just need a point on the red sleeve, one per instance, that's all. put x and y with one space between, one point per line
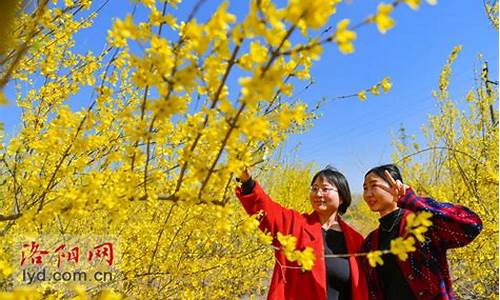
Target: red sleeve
276 218
453 225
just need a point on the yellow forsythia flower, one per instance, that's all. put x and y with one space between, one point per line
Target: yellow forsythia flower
420 219
419 233
258 53
414 4
418 224
470 96
287 242
401 247
5 269
382 19
362 95
265 239
344 37
374 258
306 258
386 84
374 90
250 225
423 219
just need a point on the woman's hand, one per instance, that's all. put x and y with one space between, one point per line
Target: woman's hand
245 175
398 189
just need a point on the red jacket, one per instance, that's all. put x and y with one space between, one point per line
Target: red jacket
293 283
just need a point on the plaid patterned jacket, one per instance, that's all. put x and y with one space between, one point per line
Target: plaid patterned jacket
426 269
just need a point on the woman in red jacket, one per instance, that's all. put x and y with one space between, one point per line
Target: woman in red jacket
323 230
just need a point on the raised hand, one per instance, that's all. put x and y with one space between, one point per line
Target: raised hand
245 175
398 189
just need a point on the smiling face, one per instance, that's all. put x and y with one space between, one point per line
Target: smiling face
376 193
324 197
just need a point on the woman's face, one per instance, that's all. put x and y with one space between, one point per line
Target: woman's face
377 194
324 196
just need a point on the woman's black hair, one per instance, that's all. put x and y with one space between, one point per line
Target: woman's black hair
333 176
392 169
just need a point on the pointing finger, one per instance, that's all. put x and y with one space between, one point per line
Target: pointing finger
245 175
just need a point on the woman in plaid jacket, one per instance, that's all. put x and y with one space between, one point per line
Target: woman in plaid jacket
425 274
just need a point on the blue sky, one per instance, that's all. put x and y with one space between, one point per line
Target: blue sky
353 135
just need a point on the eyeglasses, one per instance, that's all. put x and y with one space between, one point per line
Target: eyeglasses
323 190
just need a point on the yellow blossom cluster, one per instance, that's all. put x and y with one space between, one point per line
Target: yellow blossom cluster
384 85
382 19
344 37
304 258
416 226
